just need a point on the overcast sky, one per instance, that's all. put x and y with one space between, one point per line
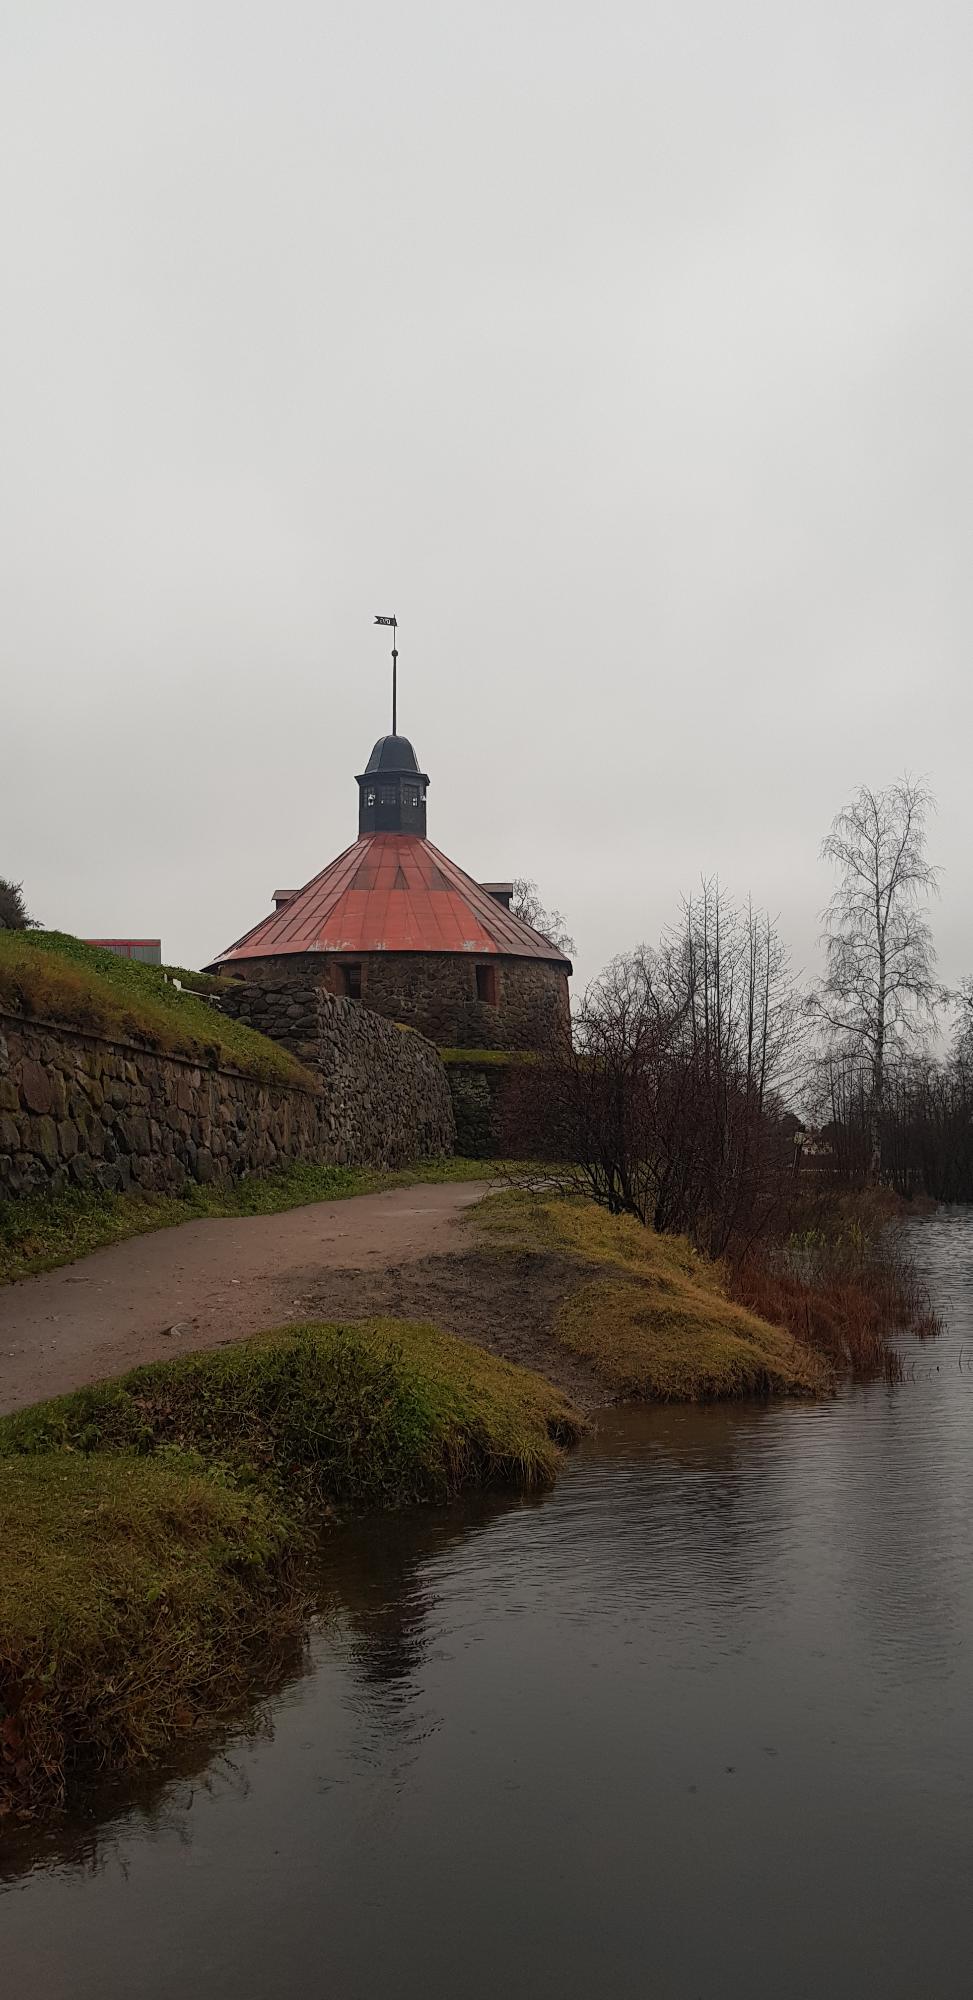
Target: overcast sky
621 349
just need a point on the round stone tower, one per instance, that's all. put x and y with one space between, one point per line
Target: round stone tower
397 925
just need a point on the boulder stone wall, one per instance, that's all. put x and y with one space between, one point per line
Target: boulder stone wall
77 1109
386 1085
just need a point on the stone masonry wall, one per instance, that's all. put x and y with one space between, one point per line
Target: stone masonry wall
436 994
79 1110
386 1084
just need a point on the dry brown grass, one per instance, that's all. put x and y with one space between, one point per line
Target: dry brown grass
649 1314
844 1287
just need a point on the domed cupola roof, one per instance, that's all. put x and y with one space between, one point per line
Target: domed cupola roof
392 789
391 753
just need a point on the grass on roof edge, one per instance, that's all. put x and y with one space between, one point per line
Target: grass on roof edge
511 1058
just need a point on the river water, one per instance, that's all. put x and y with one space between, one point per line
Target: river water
697 1724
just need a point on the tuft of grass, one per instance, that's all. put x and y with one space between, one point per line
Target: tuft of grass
380 1412
39 1232
649 1314
133 1601
51 976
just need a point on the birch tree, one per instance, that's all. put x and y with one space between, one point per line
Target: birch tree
880 994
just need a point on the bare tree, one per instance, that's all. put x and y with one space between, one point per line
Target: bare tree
668 1100
879 997
13 909
963 1039
526 904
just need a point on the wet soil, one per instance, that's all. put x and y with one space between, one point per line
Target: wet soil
504 1301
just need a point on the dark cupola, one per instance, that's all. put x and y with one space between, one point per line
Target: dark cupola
392 790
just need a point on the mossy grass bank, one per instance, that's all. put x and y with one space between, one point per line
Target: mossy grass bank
375 1412
152 1523
648 1313
48 975
39 1232
135 1600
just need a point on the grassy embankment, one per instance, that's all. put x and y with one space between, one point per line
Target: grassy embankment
49 976
153 1525
649 1315
46 975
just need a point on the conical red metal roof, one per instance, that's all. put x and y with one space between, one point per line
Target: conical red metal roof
392 892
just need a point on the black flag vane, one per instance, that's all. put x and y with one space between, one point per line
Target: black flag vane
393 621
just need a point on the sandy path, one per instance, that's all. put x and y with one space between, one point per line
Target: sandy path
210 1281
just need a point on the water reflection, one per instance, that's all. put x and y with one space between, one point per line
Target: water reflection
695 1724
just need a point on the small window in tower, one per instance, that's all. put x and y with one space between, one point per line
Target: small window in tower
369 798
351 981
486 985
413 798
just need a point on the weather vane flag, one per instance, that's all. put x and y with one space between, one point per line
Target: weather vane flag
393 621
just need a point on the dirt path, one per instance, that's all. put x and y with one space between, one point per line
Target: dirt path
204 1283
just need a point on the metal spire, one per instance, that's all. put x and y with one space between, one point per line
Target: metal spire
395 667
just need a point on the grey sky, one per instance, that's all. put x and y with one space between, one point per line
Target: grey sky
621 349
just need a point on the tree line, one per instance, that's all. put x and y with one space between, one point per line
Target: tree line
701 1084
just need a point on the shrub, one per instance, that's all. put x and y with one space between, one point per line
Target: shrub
13 909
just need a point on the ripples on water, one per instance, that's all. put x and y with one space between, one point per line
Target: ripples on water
696 1724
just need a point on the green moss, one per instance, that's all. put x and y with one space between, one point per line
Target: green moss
649 1314
499 1057
39 1232
53 977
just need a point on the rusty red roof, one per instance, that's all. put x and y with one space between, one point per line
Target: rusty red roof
392 892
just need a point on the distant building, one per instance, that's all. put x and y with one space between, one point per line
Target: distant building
149 950
394 923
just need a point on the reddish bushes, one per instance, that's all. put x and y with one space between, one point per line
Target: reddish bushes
846 1290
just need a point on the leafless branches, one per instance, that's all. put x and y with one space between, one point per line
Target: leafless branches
674 1083
526 904
879 996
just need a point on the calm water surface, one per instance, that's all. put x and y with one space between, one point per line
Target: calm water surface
699 1723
